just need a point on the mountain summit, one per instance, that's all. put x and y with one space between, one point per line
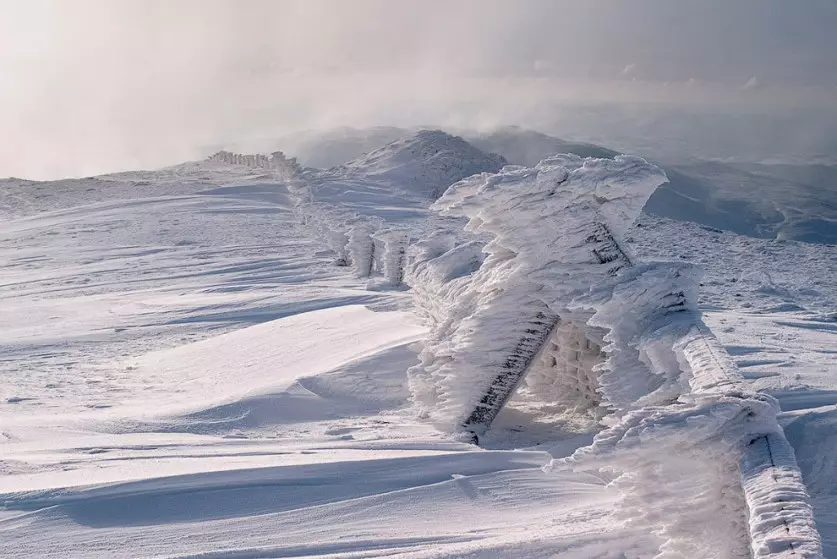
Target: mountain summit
425 163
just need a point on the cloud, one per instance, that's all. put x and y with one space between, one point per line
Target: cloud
92 85
752 83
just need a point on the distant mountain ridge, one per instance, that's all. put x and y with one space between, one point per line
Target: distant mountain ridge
771 201
528 147
796 202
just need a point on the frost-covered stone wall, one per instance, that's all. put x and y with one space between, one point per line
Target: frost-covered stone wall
554 230
555 297
275 161
392 247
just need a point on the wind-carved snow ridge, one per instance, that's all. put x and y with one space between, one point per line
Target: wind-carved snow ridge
553 295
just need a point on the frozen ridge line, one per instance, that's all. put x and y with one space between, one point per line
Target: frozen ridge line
556 302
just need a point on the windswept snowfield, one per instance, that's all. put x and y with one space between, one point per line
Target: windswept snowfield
185 372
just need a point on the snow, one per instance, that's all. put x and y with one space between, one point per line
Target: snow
771 305
425 163
184 372
194 377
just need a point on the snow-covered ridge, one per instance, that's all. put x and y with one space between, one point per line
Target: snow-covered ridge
765 200
292 434
425 163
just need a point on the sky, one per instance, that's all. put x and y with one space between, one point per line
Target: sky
94 85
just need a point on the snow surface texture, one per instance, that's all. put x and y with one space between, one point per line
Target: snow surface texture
192 377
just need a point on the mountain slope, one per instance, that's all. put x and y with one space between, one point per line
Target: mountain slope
425 163
793 202
186 374
322 149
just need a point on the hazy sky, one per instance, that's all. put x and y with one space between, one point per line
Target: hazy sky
93 85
